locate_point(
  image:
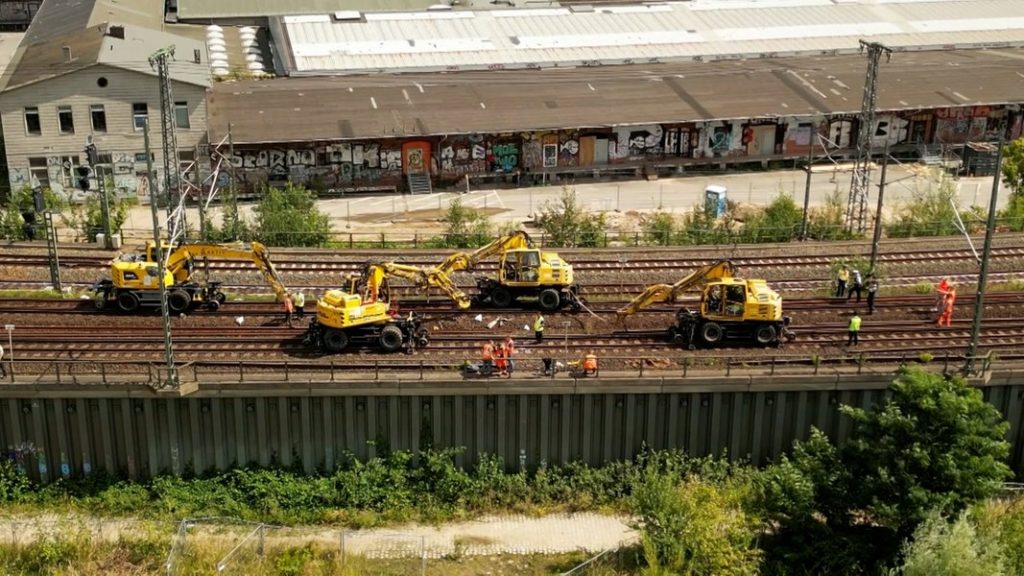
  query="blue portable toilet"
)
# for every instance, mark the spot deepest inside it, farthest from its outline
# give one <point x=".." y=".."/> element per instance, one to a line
<point x="714" y="201"/>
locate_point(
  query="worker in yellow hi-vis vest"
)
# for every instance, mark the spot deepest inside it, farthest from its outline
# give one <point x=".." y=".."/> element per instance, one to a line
<point x="538" y="329"/>
<point x="854" y="330"/>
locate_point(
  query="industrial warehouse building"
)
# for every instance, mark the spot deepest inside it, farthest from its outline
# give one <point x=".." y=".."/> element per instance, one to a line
<point x="370" y="99"/>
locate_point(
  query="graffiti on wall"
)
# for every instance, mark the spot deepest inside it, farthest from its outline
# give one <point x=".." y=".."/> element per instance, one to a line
<point x="333" y="165"/>
<point x="890" y="130"/>
<point x="959" y="125"/>
<point x="478" y="155"/>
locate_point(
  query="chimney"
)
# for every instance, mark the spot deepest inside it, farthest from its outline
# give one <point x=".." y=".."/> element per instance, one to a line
<point x="116" y="31"/>
<point x="66" y="50"/>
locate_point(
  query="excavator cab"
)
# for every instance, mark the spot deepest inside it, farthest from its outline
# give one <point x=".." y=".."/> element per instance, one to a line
<point x="735" y="299"/>
<point x="520" y="266"/>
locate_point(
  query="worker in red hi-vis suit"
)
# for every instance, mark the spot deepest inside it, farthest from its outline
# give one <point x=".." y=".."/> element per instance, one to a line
<point x="946" y="318"/>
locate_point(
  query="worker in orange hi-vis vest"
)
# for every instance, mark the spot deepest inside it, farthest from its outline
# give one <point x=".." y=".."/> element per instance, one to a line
<point x="501" y="359"/>
<point x="946" y="318"/>
<point x="941" y="289"/>
<point x="487" y="353"/>
<point x="590" y="364"/>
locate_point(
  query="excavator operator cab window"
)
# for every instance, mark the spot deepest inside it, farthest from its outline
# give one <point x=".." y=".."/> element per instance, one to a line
<point x="528" y="265"/>
<point x="713" y="303"/>
<point x="734" y="300"/>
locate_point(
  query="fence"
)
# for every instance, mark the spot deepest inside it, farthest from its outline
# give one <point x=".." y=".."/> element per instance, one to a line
<point x="59" y="372"/>
<point x="678" y="235"/>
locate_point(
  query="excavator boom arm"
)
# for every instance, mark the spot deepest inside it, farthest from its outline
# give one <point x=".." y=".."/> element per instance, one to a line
<point x="255" y="252"/>
<point x="659" y="293"/>
<point x="467" y="260"/>
<point x="424" y="277"/>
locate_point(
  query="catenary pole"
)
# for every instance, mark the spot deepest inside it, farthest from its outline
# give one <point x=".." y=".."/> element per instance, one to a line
<point x="979" y="298"/>
<point x="172" y="375"/>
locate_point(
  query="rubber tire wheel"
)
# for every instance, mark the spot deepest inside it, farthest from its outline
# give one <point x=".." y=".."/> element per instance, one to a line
<point x="128" y="301"/>
<point x="335" y="340"/>
<point x="501" y="297"/>
<point x="549" y="300"/>
<point x="178" y="301"/>
<point x="712" y="332"/>
<point x="391" y="338"/>
<point x="765" y="335"/>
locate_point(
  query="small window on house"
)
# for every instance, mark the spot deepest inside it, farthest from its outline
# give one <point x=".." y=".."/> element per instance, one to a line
<point x="181" y="115"/>
<point x="32" y="124"/>
<point x="140" y="157"/>
<point x="39" y="175"/>
<point x="99" y="118"/>
<point x="140" y="111"/>
<point x="65" y="120"/>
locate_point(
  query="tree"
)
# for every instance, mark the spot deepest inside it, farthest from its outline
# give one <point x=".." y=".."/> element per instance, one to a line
<point x="567" y="223"/>
<point x="943" y="549"/>
<point x="1013" y="166"/>
<point x="696" y="528"/>
<point x="87" y="218"/>
<point x="289" y="217"/>
<point x="936" y="444"/>
<point x="466" y="227"/>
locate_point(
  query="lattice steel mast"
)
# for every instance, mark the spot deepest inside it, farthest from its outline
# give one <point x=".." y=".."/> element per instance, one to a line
<point x="169" y="142"/>
<point x="856" y="210"/>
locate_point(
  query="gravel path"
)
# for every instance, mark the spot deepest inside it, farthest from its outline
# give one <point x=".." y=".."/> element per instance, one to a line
<point x="485" y="536"/>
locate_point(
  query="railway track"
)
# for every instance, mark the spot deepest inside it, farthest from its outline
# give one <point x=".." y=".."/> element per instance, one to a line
<point x="640" y="262"/>
<point x="39" y="306"/>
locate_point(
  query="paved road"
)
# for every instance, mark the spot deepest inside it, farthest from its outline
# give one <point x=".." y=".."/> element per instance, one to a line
<point x="376" y="212"/>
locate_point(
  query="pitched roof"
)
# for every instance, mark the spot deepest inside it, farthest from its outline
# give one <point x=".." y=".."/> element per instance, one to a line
<point x="385" y="106"/>
<point x="70" y="35"/>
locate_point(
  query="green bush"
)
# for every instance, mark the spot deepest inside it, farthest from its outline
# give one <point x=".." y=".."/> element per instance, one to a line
<point x="14" y="484"/>
<point x="696" y="527"/>
<point x="289" y="217"/>
<point x="567" y="223"/>
<point x="465" y="227"/>
<point x="943" y="549"/>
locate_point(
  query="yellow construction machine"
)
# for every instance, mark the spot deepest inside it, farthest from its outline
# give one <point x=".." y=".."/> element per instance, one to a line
<point x="523" y="271"/>
<point x="730" y="308"/>
<point x="364" y="314"/>
<point x="134" y="280"/>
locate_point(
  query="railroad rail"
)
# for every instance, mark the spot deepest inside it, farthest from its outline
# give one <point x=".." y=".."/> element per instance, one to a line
<point x="640" y="262"/>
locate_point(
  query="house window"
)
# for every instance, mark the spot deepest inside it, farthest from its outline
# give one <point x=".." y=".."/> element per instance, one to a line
<point x="140" y="157"/>
<point x="181" y="115"/>
<point x="140" y="111"/>
<point x="38" y="174"/>
<point x="99" y="118"/>
<point x="65" y="120"/>
<point x="68" y="176"/>
<point x="32" y="124"/>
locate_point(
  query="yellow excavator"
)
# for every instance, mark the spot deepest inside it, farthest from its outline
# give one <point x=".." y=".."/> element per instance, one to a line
<point x="523" y="271"/>
<point x="364" y="315"/>
<point x="730" y="309"/>
<point x="134" y="280"/>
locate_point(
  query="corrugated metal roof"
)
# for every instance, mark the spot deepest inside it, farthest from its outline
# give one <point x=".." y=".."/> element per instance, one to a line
<point x="551" y="37"/>
<point x="382" y="106"/>
<point x="206" y="10"/>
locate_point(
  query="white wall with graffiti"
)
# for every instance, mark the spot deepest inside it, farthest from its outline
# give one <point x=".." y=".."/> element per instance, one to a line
<point x="449" y="158"/>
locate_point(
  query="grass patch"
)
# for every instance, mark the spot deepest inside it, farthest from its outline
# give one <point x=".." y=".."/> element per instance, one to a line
<point x="44" y="293"/>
